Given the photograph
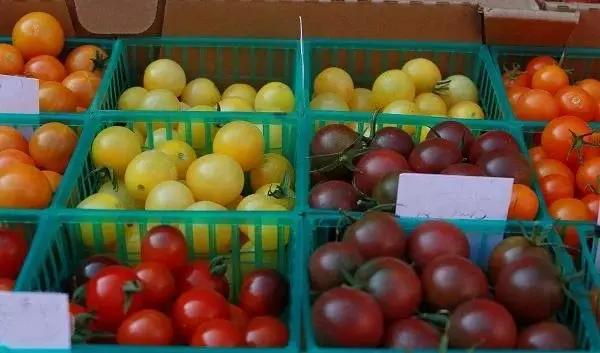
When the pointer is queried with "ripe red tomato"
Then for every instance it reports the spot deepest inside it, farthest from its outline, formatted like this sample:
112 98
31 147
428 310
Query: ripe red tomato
524 203
592 202
238 317
196 307
158 283
146 328
563 138
550 78
264 292
551 166
573 100
555 187
13 250
587 175
537 63
266 331
514 93
536 104
203 274
6 284
164 244
537 154
591 86
218 333
515 78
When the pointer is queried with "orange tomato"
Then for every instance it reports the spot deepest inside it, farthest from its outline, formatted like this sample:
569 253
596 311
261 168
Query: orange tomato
54 97
515 93
86 58
587 176
550 78
46 68
573 100
12 138
536 104
555 187
85 85
538 62
592 202
524 203
537 154
551 166
570 209
11 156
515 78
38 33
591 86
53 178
52 145
11 60
24 186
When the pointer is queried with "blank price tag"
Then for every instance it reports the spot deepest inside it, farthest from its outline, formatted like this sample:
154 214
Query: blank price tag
19 95
456 197
35 320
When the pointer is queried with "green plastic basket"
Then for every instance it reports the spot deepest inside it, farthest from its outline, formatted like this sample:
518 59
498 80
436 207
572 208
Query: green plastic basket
224 61
69 239
319 229
26 224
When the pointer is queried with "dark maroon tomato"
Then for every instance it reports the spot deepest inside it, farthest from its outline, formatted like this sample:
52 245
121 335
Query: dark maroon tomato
506 163
393 138
463 169
347 317
377 234
329 260
264 292
434 155
510 250
433 239
455 132
386 190
491 141
327 146
334 195
548 336
89 268
412 333
530 289
381 277
375 165
452 280
482 323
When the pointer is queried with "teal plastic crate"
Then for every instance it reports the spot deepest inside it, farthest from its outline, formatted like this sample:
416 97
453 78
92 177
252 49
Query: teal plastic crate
319 229
28 225
223 60
365 60
69 239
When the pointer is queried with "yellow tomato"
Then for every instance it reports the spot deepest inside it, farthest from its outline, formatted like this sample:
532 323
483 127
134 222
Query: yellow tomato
220 233
466 110
403 107
271 236
201 91
334 80
165 74
147 170
183 106
120 191
250 259
232 206
133 241
362 101
254 202
288 200
240 90
275 135
430 104
215 177
274 97
329 101
169 195
272 169
392 85
131 98
160 135
241 141
424 73
100 201
183 154
160 99
234 104
114 147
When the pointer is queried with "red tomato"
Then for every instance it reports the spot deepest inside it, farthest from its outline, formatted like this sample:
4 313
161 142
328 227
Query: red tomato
196 307
573 100
592 202
537 154
218 333
591 86
13 250
238 317
550 78
564 137
6 284
146 328
515 78
524 203
158 283
514 94
203 274
266 331
45 68
587 176
164 244
12 156
537 63
555 187
264 292
551 166
536 104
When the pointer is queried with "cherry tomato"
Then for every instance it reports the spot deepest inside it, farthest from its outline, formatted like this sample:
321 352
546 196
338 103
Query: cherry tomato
45 68
164 244
84 85
514 93
538 62
86 58
238 317
591 86
550 78
266 331
555 187
570 209
11 60
536 104
52 145
537 154
38 33
158 283
551 166
218 333
196 307
204 275
53 178
13 249
54 97
264 292
6 284
12 138
515 78
587 177
24 186
89 268
592 202
524 203
573 100
146 328
559 142
12 156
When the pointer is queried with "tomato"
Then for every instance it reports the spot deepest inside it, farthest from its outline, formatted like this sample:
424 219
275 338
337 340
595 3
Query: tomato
11 138
45 68
570 209
264 292
115 147
201 91
165 74
85 85
218 333
169 195
514 93
537 154
395 139
424 73
273 168
466 110
240 90
157 282
202 233
573 100
53 178
555 187
412 333
12 156
24 186
147 170
183 154
38 33
334 80
6 284
430 104
587 178
132 98
54 97
567 137
550 78
274 97
89 268
362 101
511 249
241 141
375 165
146 328
13 250
238 317
327 145
266 331
159 99
52 145
100 201
112 294
328 262
551 166
433 155
377 234
516 79
197 131
455 89
592 202
11 60
536 104
329 101
538 62
547 335
215 177
204 275
392 85
164 244
195 307
591 86
507 164
524 203
434 239
88 58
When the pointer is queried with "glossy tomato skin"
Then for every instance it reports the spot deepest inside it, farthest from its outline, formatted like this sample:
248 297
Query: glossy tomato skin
204 275
411 333
84 85
386 191
550 78
12 156
11 138
266 331
482 323
463 169
536 105
238 317
264 292
592 202
6 284
86 58
218 333
555 187
547 335
38 33
89 268
377 234
516 79
587 175
11 60
524 203
538 62
557 139
491 141
158 283
146 328
341 311
164 244
375 165
573 100
54 97
393 138
326 146
52 145
381 277
334 195
195 307
453 131
434 239
24 186
45 68
550 166
13 250
326 264
510 250
507 164
537 154
434 155
514 93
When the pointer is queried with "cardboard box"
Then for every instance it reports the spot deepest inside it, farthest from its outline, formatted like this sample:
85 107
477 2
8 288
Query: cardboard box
586 33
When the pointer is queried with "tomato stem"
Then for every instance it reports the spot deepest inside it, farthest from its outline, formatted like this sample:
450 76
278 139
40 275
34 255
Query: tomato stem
79 295
218 266
130 288
99 61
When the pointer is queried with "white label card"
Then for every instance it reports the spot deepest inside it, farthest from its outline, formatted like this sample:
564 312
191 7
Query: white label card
19 95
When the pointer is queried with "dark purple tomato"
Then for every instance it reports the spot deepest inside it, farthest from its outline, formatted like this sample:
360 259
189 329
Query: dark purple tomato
412 333
482 324
264 292
548 336
510 250
434 155
507 164
455 132
334 195
327 146
386 190
463 169
89 268
434 239
452 280
347 317
375 165
393 138
329 260
490 141
393 283
377 234
530 289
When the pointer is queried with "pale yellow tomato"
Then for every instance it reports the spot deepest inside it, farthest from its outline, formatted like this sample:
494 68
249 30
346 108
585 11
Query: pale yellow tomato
160 99
183 106
274 97
161 135
466 110
283 195
114 147
169 195
424 73
272 169
362 101
271 236
221 233
120 191
250 258
392 85
275 135
232 206
140 136
234 104
430 104
133 241
334 80
241 141
165 74
240 90
215 177
329 101
457 88
142 128
131 98
201 91
100 201
147 170
403 107
183 154
255 201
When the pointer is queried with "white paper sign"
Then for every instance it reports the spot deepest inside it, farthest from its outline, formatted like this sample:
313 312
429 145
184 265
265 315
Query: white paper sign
19 95
35 320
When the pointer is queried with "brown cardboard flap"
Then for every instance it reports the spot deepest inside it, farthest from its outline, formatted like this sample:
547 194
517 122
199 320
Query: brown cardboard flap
587 32
11 11
111 17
